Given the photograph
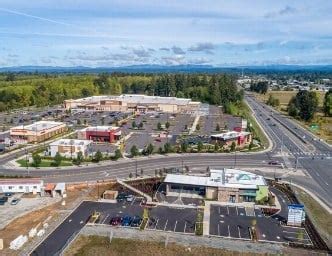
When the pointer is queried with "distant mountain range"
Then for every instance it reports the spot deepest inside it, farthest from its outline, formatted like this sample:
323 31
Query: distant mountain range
172 69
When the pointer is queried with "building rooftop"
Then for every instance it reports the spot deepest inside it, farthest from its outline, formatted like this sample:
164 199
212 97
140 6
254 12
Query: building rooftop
229 135
231 178
70 142
135 98
100 128
38 126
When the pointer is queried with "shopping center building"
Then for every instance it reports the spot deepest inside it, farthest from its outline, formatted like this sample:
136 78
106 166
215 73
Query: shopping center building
226 185
134 103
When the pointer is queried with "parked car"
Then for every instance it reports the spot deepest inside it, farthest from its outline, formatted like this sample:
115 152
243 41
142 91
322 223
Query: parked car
4 198
15 201
8 194
126 221
115 221
137 220
273 162
130 198
121 197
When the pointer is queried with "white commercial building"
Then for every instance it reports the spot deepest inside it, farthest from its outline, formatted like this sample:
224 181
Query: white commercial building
21 185
134 103
69 148
226 185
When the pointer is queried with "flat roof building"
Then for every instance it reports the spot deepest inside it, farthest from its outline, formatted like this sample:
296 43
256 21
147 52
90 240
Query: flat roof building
226 185
241 139
21 185
38 131
69 148
100 133
134 103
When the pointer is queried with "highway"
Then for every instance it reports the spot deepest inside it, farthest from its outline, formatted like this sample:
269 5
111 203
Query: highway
294 147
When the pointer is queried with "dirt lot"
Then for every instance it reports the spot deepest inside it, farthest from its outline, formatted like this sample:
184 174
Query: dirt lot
95 245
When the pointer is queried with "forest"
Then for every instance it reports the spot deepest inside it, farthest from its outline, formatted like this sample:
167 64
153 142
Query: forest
19 90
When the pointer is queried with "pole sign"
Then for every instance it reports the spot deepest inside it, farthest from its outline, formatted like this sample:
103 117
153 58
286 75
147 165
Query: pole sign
296 215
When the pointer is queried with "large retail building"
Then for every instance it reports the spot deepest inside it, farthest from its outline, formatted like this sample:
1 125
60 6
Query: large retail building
37 132
226 185
134 103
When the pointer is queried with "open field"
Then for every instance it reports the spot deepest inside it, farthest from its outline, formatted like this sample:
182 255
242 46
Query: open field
96 245
319 216
285 96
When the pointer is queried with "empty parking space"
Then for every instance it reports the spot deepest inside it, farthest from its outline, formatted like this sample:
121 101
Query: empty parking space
172 219
240 222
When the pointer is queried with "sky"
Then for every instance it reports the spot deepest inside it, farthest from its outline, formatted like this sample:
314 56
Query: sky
109 33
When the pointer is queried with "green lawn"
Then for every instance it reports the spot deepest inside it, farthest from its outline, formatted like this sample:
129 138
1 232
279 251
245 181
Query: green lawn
44 163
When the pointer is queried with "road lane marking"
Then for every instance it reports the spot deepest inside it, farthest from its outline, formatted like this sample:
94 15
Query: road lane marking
229 233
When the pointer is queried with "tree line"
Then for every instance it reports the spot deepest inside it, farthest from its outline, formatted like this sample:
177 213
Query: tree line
17 91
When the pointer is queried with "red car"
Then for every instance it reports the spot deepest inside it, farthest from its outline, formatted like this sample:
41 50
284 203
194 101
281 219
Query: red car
116 221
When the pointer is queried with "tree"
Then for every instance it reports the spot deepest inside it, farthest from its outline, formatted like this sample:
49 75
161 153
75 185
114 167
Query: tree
327 107
84 121
98 156
186 127
149 149
167 147
274 102
233 146
251 145
184 147
78 121
140 125
198 127
199 146
167 125
57 159
303 105
79 158
134 151
36 160
130 175
159 126
160 150
217 128
216 147
133 125
117 154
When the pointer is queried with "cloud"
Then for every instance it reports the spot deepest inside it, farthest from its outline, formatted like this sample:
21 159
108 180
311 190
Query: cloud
173 60
164 49
202 47
178 50
199 61
12 55
151 50
141 53
287 10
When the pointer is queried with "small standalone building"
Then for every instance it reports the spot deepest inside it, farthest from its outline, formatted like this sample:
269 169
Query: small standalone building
100 133
69 148
241 139
38 131
21 185
226 185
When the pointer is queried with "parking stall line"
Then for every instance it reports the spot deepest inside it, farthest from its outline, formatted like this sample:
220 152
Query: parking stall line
218 230
237 212
239 231
227 210
176 222
156 224
229 233
165 224
185 225
105 219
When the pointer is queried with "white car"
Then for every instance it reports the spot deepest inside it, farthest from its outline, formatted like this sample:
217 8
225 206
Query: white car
130 198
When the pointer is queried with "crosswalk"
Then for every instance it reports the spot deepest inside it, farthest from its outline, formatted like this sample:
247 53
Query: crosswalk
314 154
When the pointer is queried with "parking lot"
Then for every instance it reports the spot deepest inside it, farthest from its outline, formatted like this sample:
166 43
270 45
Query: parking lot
180 220
240 222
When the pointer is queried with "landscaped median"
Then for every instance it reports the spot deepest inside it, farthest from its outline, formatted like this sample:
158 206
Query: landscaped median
43 163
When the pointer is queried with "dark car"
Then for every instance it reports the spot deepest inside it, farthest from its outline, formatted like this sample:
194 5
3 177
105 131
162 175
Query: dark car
126 221
137 220
273 163
8 194
121 197
115 221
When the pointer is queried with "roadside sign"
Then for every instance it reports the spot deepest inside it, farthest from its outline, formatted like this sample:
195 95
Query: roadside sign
296 214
